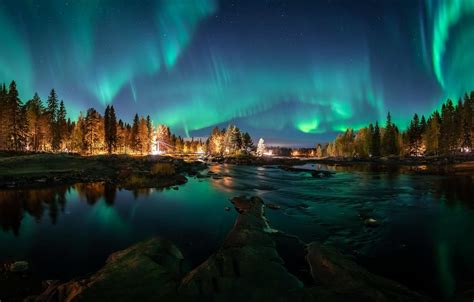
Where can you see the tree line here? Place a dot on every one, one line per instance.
(229, 141)
(443, 133)
(44, 127)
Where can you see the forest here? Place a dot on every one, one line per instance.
(444, 133)
(44, 127)
(38, 127)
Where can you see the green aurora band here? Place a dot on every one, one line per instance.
(169, 59)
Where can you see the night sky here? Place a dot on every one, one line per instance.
(291, 71)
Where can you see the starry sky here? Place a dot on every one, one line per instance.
(294, 72)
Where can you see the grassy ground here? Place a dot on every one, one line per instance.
(27, 170)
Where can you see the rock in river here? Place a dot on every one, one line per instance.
(371, 222)
(19, 267)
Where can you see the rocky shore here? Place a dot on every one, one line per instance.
(41, 170)
(462, 165)
(255, 263)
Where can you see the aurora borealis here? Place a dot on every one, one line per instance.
(290, 71)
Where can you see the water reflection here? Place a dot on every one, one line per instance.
(35, 202)
(456, 189)
(14, 203)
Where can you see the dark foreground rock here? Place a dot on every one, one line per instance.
(147, 271)
(255, 263)
(340, 275)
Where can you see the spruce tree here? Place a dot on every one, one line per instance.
(92, 134)
(389, 144)
(414, 135)
(36, 128)
(247, 142)
(376, 140)
(52, 115)
(61, 126)
(16, 120)
(107, 129)
(112, 129)
(447, 129)
(149, 134)
(467, 124)
(3, 117)
(135, 134)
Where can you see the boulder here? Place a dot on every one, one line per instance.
(147, 271)
(19, 267)
(371, 223)
(344, 277)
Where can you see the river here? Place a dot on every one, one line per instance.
(424, 239)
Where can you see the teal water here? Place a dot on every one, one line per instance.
(424, 239)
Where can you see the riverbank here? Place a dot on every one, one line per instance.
(41, 170)
(26, 170)
(459, 165)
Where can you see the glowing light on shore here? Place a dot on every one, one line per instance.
(268, 153)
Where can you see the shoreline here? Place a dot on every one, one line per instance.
(44, 170)
(136, 172)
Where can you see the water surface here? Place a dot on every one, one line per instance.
(424, 240)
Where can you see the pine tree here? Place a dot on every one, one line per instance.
(247, 143)
(16, 120)
(3, 117)
(414, 136)
(36, 128)
(216, 141)
(237, 139)
(422, 125)
(92, 131)
(375, 150)
(135, 139)
(112, 130)
(431, 134)
(319, 151)
(467, 124)
(61, 126)
(447, 129)
(369, 140)
(143, 136)
(52, 114)
(389, 140)
(149, 134)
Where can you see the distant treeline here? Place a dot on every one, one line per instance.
(35, 126)
(443, 133)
